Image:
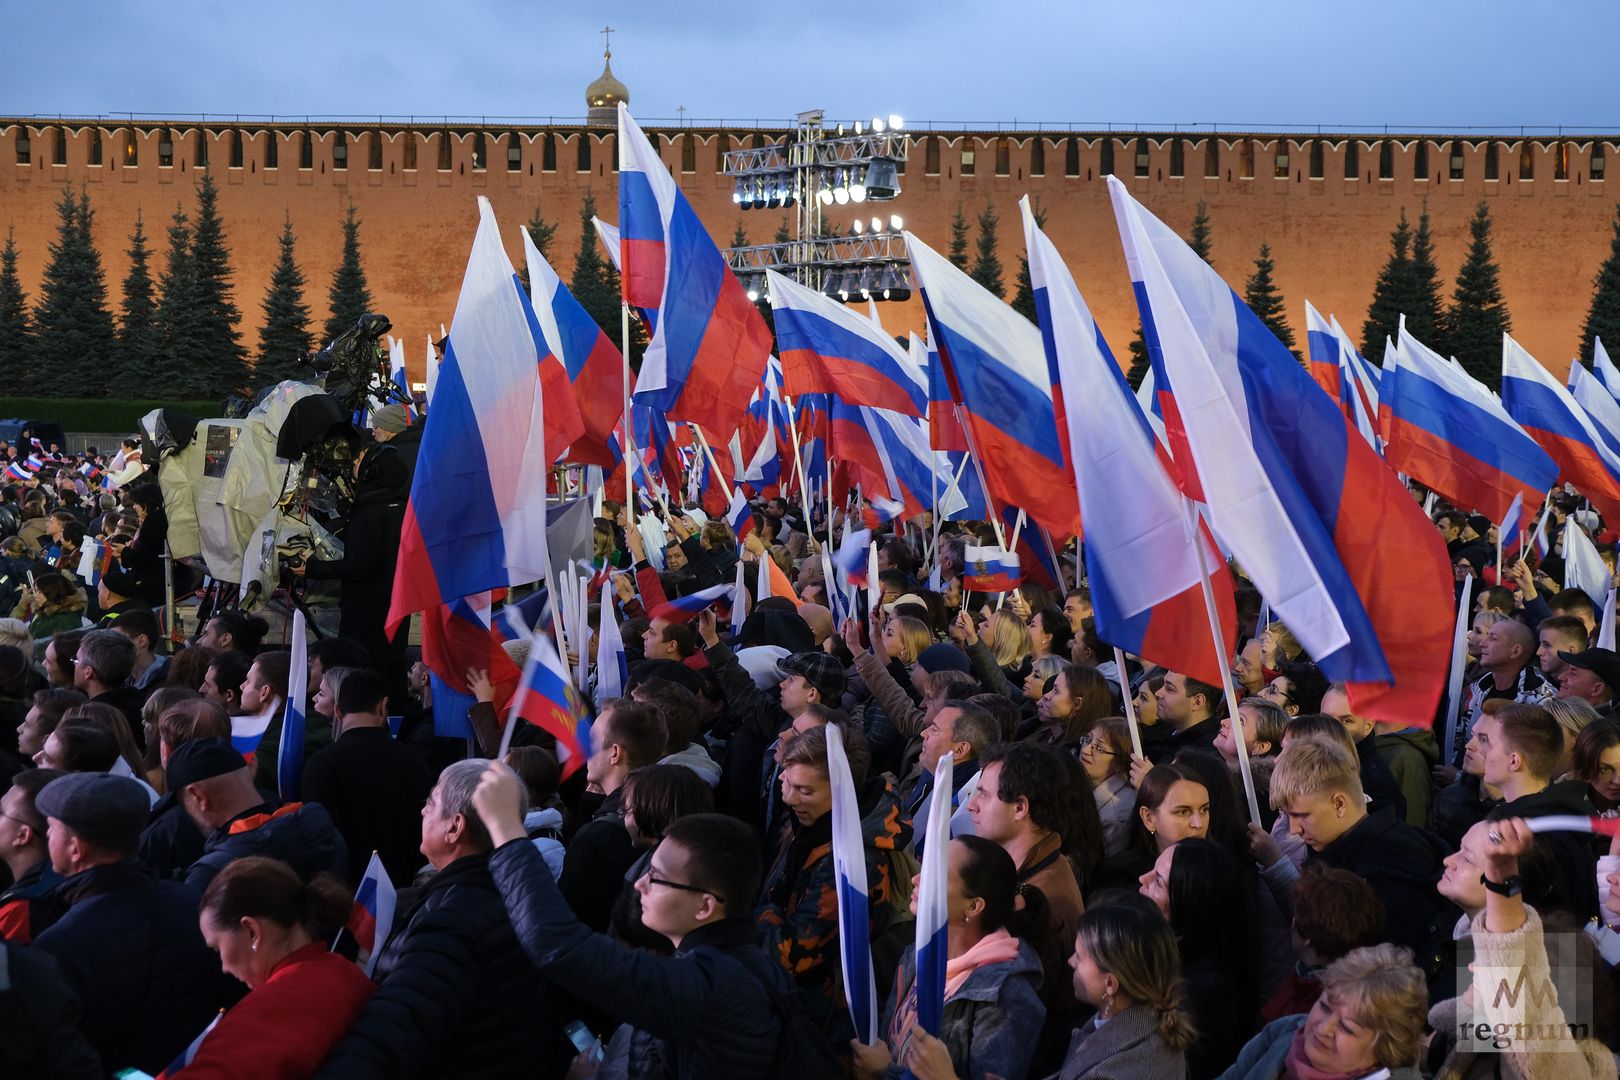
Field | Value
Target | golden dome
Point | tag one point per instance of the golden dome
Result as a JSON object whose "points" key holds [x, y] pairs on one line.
{"points": [[606, 92]]}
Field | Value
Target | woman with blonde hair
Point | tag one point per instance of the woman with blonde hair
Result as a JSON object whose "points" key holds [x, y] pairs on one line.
{"points": [[1007, 636], [14, 632], [1370, 1017], [904, 639]]}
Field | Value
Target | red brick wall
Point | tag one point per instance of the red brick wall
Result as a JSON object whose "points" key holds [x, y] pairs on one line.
{"points": [[1329, 237]]}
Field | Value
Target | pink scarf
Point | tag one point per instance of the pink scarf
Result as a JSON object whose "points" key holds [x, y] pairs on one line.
{"points": [[1296, 1067], [995, 948]]}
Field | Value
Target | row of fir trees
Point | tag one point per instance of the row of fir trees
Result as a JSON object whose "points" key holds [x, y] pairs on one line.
{"points": [[176, 332]]}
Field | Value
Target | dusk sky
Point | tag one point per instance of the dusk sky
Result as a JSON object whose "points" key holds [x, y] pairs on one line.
{"points": [[1425, 65]]}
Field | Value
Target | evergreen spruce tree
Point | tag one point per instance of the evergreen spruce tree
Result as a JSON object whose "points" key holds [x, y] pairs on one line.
{"points": [[1023, 300], [1394, 294], [959, 240], [595, 285], [1602, 320], [16, 327], [1260, 293], [1478, 316], [76, 342], [1423, 314], [784, 234], [183, 367], [349, 296], [986, 264], [218, 313], [285, 335], [1199, 241], [139, 342]]}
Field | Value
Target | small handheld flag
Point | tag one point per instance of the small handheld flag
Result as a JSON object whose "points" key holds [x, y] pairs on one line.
{"points": [[290, 754], [933, 901], [849, 868], [990, 569], [684, 608], [740, 516], [372, 919], [612, 670]]}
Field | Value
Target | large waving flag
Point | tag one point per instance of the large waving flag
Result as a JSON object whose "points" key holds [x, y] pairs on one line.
{"points": [[373, 917], [476, 519], [996, 368], [1584, 568], [853, 448], [709, 348], [290, 754], [564, 422], [1302, 502], [849, 870], [944, 421], [1603, 368], [827, 348], [458, 637], [1135, 516], [1600, 406], [767, 437], [1544, 407], [933, 888], [1443, 429], [594, 364], [1358, 381], [1322, 352]]}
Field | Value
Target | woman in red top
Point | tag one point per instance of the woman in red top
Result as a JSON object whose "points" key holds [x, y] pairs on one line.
{"points": [[270, 931]]}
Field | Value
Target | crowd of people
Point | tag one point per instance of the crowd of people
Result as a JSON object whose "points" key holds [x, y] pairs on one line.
{"points": [[670, 909]]}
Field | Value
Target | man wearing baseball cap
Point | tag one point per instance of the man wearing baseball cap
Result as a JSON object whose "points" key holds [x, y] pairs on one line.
{"points": [[127, 944], [214, 783], [1593, 675]]}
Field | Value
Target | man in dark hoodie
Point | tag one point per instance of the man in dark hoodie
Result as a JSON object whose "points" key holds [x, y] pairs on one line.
{"points": [[1317, 785], [214, 784], [1519, 747], [1377, 779]]}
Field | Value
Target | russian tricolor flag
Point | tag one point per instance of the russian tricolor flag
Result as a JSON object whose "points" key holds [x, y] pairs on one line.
{"points": [[1322, 353], [401, 381], [457, 637], [1304, 504], [545, 699], [708, 350], [851, 557], [995, 366], [740, 516], [827, 348], [17, 472], [35, 462], [1600, 406], [849, 870], [247, 732], [933, 901], [683, 608], [372, 919], [95, 558], [1603, 368], [561, 327], [1445, 430], [1510, 528], [944, 422], [990, 569], [476, 519], [290, 753], [1544, 407]]}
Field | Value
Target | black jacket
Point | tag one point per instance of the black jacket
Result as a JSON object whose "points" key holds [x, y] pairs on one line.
{"points": [[704, 1007], [1457, 808], [1201, 736], [1377, 779], [172, 842], [370, 550], [1575, 852], [750, 723], [374, 788], [299, 834], [39, 1020], [129, 947], [1402, 864], [457, 996], [127, 700], [595, 864]]}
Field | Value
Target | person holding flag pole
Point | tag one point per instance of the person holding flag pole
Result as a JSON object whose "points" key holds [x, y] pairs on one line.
{"points": [[1510, 530]]}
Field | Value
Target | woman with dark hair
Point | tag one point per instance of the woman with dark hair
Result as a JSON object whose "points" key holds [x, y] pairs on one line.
{"points": [[56, 603], [1078, 698], [1172, 804], [189, 667], [655, 797], [1596, 762], [993, 1009], [270, 930], [1105, 755], [139, 573], [1210, 905], [1049, 632]]}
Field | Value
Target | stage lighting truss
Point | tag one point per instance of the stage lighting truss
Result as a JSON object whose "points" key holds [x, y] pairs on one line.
{"points": [[818, 169]]}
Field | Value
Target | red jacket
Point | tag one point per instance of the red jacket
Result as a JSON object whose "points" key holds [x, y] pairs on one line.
{"points": [[286, 1028]]}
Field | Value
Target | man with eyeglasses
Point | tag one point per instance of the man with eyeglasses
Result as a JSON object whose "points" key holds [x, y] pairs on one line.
{"points": [[712, 1009]]}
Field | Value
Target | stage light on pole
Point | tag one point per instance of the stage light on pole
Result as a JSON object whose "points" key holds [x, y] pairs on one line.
{"points": [[877, 125], [896, 223], [895, 123], [857, 227]]}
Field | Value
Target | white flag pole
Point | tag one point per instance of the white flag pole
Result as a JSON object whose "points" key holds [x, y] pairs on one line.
{"points": [[1130, 704], [1459, 661]]}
